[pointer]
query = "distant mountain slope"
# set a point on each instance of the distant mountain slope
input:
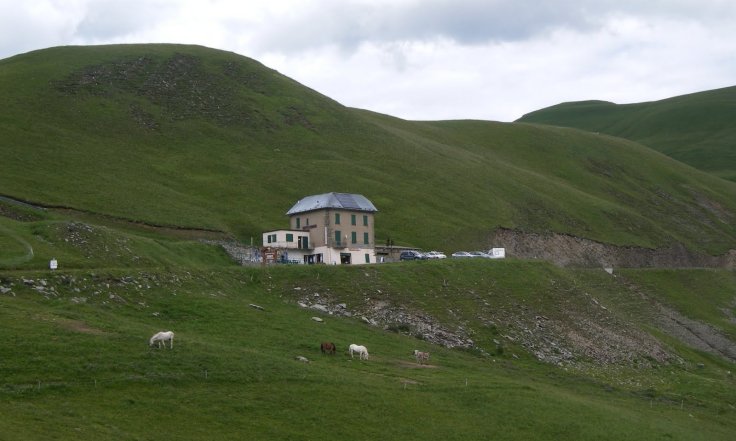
(195, 137)
(698, 129)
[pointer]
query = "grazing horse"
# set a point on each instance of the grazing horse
(362, 351)
(162, 337)
(328, 347)
(421, 356)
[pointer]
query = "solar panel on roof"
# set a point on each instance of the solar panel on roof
(347, 201)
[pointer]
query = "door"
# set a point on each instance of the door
(303, 242)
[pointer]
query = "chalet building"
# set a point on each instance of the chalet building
(331, 228)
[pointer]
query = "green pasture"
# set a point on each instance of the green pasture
(77, 244)
(117, 161)
(82, 369)
(696, 129)
(186, 136)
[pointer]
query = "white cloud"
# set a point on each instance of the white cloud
(626, 60)
(436, 59)
(26, 26)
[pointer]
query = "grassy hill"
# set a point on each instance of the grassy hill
(127, 156)
(697, 129)
(187, 136)
(75, 363)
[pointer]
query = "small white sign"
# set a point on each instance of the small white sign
(53, 264)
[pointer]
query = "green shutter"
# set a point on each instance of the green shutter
(352, 219)
(365, 238)
(354, 237)
(337, 218)
(365, 220)
(289, 237)
(337, 237)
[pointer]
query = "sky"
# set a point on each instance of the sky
(424, 60)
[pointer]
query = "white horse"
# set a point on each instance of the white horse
(360, 350)
(421, 356)
(162, 337)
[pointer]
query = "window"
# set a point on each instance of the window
(337, 237)
(354, 237)
(337, 218)
(367, 258)
(289, 237)
(365, 239)
(298, 223)
(271, 238)
(352, 219)
(365, 220)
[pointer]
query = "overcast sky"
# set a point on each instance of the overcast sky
(424, 60)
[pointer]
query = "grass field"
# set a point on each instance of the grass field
(186, 136)
(696, 129)
(117, 161)
(82, 370)
(75, 364)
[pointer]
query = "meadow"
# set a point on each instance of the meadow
(126, 164)
(696, 129)
(75, 361)
(191, 137)
(82, 369)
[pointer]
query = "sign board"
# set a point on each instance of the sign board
(53, 264)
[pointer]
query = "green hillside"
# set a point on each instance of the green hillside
(125, 163)
(193, 137)
(697, 129)
(75, 363)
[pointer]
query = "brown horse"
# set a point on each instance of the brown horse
(328, 347)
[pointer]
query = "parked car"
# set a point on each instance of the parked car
(462, 254)
(412, 255)
(479, 254)
(435, 255)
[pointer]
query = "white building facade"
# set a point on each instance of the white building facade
(330, 228)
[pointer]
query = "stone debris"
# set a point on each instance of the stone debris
(383, 314)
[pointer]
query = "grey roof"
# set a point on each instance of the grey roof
(345, 201)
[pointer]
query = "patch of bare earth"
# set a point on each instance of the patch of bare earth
(81, 327)
(411, 365)
(70, 324)
(695, 334)
(585, 331)
(568, 250)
